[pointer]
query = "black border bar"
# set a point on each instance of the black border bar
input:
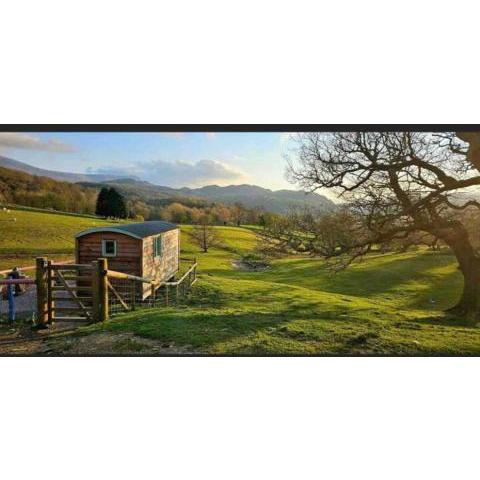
(221, 127)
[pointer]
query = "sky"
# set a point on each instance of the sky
(170, 159)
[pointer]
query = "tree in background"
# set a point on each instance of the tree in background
(102, 208)
(310, 231)
(221, 214)
(111, 203)
(176, 213)
(41, 192)
(138, 209)
(237, 213)
(117, 203)
(206, 236)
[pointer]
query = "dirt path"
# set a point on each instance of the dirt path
(63, 338)
(23, 340)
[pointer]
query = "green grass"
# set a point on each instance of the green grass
(387, 304)
(36, 234)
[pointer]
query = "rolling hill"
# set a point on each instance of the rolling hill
(278, 201)
(251, 196)
(62, 176)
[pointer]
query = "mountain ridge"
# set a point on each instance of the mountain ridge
(7, 162)
(252, 196)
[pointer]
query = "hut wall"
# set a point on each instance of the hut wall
(166, 265)
(129, 251)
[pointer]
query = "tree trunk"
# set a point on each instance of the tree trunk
(205, 242)
(469, 304)
(468, 307)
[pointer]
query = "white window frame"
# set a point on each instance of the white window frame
(156, 239)
(104, 248)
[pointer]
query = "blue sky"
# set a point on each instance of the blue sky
(172, 159)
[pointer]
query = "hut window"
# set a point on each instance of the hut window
(157, 246)
(109, 248)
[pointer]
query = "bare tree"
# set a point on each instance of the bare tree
(399, 183)
(206, 236)
(307, 230)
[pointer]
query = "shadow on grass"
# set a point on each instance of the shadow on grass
(198, 329)
(440, 291)
(205, 324)
(367, 279)
(445, 320)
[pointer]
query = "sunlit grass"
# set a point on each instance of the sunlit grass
(35, 234)
(386, 304)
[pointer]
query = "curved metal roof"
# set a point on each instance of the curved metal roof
(135, 230)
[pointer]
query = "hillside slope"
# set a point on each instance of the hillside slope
(26, 235)
(251, 196)
(278, 201)
(62, 176)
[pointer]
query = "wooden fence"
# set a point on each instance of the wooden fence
(125, 291)
(91, 292)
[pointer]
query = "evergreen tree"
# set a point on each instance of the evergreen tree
(102, 207)
(110, 203)
(117, 204)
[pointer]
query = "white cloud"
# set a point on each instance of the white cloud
(180, 173)
(30, 142)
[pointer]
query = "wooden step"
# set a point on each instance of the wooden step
(69, 296)
(73, 305)
(71, 319)
(63, 289)
(78, 277)
(71, 299)
(70, 309)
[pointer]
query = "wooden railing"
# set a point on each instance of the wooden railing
(123, 292)
(92, 289)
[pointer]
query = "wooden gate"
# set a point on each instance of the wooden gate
(69, 292)
(85, 293)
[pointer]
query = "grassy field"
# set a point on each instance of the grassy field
(387, 304)
(35, 234)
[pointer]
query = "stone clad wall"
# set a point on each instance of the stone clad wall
(165, 266)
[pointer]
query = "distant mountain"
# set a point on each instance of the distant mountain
(63, 176)
(251, 196)
(278, 201)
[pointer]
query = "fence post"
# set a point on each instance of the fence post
(132, 295)
(166, 294)
(102, 290)
(95, 291)
(42, 291)
(152, 292)
(50, 302)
